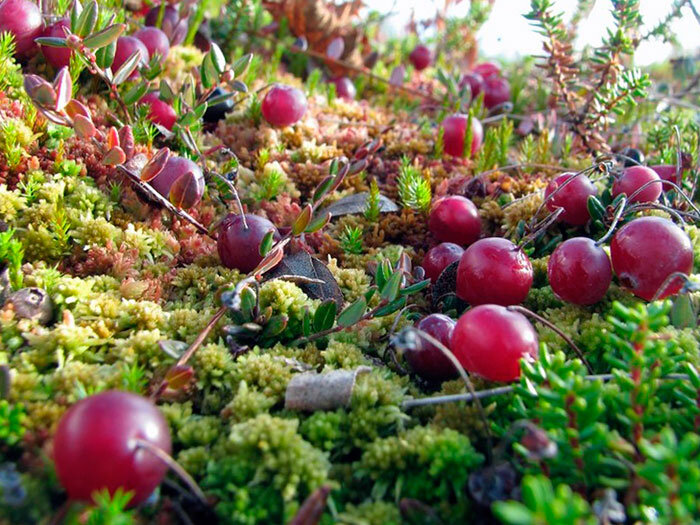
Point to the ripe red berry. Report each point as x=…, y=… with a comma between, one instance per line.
x=490, y=340
x=646, y=251
x=427, y=360
x=665, y=172
x=634, y=178
x=161, y=112
x=170, y=16
x=573, y=198
x=58, y=57
x=175, y=168
x=440, y=257
x=579, y=271
x=344, y=88
x=22, y=18
x=239, y=247
x=494, y=271
x=475, y=82
x=487, y=69
x=127, y=46
x=455, y=219
x=155, y=40
x=455, y=127
x=95, y=446
x=420, y=57
x=283, y=105
x=496, y=91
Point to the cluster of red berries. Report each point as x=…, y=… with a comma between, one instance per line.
x=486, y=78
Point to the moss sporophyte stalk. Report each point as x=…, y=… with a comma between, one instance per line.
x=261, y=263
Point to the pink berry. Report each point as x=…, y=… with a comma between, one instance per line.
x=170, y=16
x=455, y=219
x=496, y=91
x=634, y=178
x=175, y=168
x=239, y=247
x=579, y=271
x=283, y=105
x=475, y=82
x=666, y=172
x=489, y=340
x=58, y=57
x=646, y=251
x=95, y=446
x=161, y=112
x=421, y=57
x=155, y=40
x=487, y=69
x=127, y=46
x=344, y=88
x=454, y=128
x=22, y=18
x=573, y=198
x=427, y=360
x=494, y=271
x=440, y=257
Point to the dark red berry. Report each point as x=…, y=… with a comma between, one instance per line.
x=95, y=446
x=344, y=88
x=573, y=198
x=239, y=247
x=58, y=57
x=579, y=271
x=161, y=112
x=666, y=172
x=427, y=360
x=453, y=138
x=455, y=219
x=420, y=57
x=634, y=178
x=489, y=340
x=283, y=105
x=155, y=40
x=440, y=257
x=496, y=91
x=475, y=82
x=646, y=251
x=127, y=46
x=175, y=168
x=22, y=18
x=494, y=271
x=170, y=16
x=487, y=69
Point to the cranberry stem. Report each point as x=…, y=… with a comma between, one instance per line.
x=618, y=214
x=539, y=228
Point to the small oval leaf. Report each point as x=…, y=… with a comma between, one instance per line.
x=302, y=221
x=114, y=157
x=63, y=85
x=324, y=316
x=154, y=166
x=87, y=20
x=186, y=191
x=84, y=128
x=127, y=68
x=353, y=313
x=105, y=37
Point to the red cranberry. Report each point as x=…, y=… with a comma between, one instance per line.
x=494, y=270
x=496, y=91
x=344, y=88
x=646, y=251
x=22, y=18
x=634, y=178
x=175, y=168
x=455, y=219
x=573, y=198
x=475, y=82
x=58, y=57
x=127, y=46
x=666, y=172
x=427, y=360
x=283, y=105
x=239, y=247
x=455, y=127
x=440, y=257
x=421, y=57
x=579, y=271
x=155, y=40
x=170, y=16
x=161, y=112
x=490, y=340
x=95, y=446
x=487, y=69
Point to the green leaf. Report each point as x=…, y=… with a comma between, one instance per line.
x=51, y=41
x=105, y=55
x=325, y=316
x=391, y=289
x=275, y=326
x=87, y=20
x=105, y=37
x=240, y=65
x=595, y=208
x=415, y=288
x=135, y=93
x=306, y=324
x=302, y=221
x=353, y=313
x=217, y=58
x=513, y=513
x=127, y=68
x=266, y=243
x=318, y=223
x=166, y=92
x=208, y=72
x=683, y=312
x=390, y=308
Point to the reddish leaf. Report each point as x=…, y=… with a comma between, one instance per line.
x=63, y=86
x=75, y=108
x=185, y=191
x=179, y=376
x=84, y=127
x=112, y=138
x=303, y=220
x=126, y=139
x=154, y=166
x=114, y=156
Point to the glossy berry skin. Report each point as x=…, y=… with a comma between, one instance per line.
x=475, y=82
x=489, y=340
x=155, y=40
x=239, y=247
x=646, y=251
x=579, y=272
x=283, y=105
x=494, y=271
x=427, y=360
x=487, y=69
x=420, y=57
x=161, y=112
x=58, y=57
x=127, y=46
x=573, y=198
x=496, y=91
x=455, y=127
x=217, y=112
x=455, y=219
x=634, y=178
x=22, y=18
x=175, y=168
x=344, y=88
x=440, y=257
x=95, y=447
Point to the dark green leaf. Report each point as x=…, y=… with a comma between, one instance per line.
x=51, y=41
x=415, y=288
x=240, y=65
x=318, y=223
x=683, y=312
x=353, y=313
x=87, y=20
x=325, y=316
x=391, y=289
x=275, y=326
x=127, y=68
x=391, y=307
x=595, y=208
x=266, y=243
x=105, y=55
x=135, y=93
x=105, y=37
